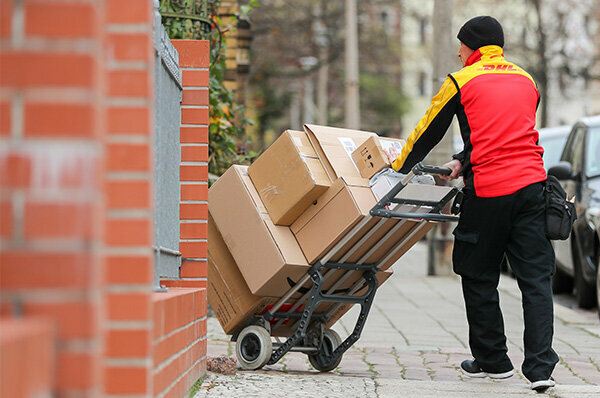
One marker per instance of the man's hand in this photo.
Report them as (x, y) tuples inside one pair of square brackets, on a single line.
[(456, 166), (392, 153)]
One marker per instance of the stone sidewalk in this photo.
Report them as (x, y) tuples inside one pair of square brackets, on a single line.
[(413, 343)]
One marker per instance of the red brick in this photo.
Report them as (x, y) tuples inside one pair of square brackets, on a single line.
[(128, 232), (22, 69), (194, 153), (193, 249), (59, 19), (128, 120), (75, 320), (15, 170), (59, 120), (128, 157), (31, 270), (169, 346), (6, 11), (193, 269), (168, 374), (183, 283), (193, 53), (193, 211), (58, 220), (194, 116), (195, 97), (128, 343), (193, 173), (5, 118), (128, 194), (128, 83), (195, 78), (125, 380), (193, 230), (194, 135), (6, 222), (129, 269), (75, 371), (130, 11), (128, 306), (194, 192), (129, 47)]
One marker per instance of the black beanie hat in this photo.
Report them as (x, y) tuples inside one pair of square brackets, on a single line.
[(481, 31)]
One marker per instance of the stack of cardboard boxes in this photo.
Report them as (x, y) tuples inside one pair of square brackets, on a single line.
[(270, 221)]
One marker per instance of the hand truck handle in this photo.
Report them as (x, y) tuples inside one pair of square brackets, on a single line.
[(420, 168)]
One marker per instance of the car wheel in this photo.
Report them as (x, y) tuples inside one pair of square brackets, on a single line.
[(584, 293), (562, 282)]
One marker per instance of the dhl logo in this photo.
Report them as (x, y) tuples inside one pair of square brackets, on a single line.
[(506, 68)]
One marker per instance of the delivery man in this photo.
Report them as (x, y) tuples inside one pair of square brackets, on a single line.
[(503, 211)]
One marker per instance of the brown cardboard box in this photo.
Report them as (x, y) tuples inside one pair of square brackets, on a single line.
[(334, 146), (370, 157), (232, 300), (228, 295), (267, 254), (337, 212), (289, 177), (322, 225)]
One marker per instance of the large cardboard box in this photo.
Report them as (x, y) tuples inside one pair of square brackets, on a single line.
[(343, 206), (228, 294), (322, 225), (370, 157), (289, 177), (267, 254), (233, 302), (334, 146)]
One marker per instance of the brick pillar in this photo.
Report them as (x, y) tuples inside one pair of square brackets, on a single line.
[(128, 226), (51, 204), (193, 213)]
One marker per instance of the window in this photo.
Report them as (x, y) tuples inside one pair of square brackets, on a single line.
[(422, 30), (574, 151)]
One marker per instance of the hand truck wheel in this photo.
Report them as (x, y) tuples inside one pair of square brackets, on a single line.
[(331, 341), (253, 347)]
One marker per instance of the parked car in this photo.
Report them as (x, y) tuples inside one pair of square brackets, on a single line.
[(553, 140), (579, 173)]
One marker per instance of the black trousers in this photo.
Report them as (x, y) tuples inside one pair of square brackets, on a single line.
[(488, 228)]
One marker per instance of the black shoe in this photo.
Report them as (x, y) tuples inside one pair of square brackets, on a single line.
[(542, 385), (471, 368)]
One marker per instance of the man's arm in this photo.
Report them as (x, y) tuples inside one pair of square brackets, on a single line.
[(430, 129)]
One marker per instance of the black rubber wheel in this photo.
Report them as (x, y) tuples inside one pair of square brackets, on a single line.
[(253, 347), (562, 282), (585, 293), (331, 341)]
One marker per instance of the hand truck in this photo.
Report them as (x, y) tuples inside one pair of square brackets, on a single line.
[(324, 347)]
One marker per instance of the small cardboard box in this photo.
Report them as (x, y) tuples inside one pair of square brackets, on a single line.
[(370, 157), (334, 146), (233, 302), (289, 177), (267, 254)]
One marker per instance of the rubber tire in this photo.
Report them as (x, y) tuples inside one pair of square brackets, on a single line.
[(253, 347), (331, 341), (585, 294), (562, 282)]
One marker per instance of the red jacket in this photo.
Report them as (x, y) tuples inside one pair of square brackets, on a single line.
[(495, 102)]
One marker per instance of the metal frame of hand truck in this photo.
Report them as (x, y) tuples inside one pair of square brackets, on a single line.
[(308, 328)]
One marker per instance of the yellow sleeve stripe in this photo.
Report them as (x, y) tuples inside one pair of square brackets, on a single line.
[(447, 91)]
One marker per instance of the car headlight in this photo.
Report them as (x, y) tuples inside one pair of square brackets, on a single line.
[(592, 217)]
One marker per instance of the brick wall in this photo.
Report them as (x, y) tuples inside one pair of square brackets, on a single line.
[(50, 182), (128, 226), (76, 208)]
